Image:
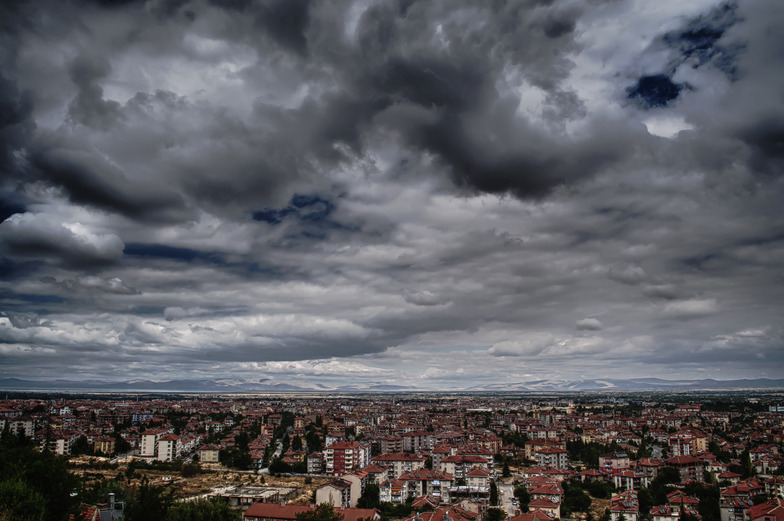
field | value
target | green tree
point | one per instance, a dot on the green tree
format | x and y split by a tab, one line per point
278	466
36	473
322	512
370	497
81	446
599	489
149	502
202	510
523	497
188	470
494	514
20	502
660	486
575	500
493	493
121	445
646	501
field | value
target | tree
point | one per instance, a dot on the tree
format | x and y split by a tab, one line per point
599	489
370	497
523	497
38	475
660	485
148	503
322	512
494	514
188	470
506	472
493	493
121	445
80	446
278	466
18	501
575	500
646	501
202	510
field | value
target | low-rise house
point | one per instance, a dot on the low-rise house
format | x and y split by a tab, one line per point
105	444
478	480
615	462
286	512
442	514
631	480
552	457
459	464
393	491
315	463
209	453
546	505
338	493
399	463
772	510
376	473
535	515
670	513
625	506
735	500
424	482
690	468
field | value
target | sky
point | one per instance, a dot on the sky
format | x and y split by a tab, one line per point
438	194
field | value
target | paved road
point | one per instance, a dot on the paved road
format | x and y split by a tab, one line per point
505	497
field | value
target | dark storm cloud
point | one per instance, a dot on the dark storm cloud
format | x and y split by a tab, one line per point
223	186
89	108
765	139
89	179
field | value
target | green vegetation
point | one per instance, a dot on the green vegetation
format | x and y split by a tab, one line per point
523	497
370	497
202	510
575	499
34	485
495	514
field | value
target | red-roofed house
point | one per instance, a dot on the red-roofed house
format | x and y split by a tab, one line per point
625	505
769	511
285	512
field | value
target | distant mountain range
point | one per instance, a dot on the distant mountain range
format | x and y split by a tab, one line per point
246	386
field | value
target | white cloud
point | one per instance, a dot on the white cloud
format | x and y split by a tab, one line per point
589	324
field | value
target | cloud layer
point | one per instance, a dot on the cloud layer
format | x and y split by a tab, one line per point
437	194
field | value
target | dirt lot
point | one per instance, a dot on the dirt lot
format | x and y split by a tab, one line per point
598	506
89	469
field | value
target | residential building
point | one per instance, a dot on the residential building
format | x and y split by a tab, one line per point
209	454
625	506
345	456
169	448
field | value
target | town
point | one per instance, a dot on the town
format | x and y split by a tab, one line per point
414	457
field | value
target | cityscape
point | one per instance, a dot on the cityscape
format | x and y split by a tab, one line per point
696	456
391	260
